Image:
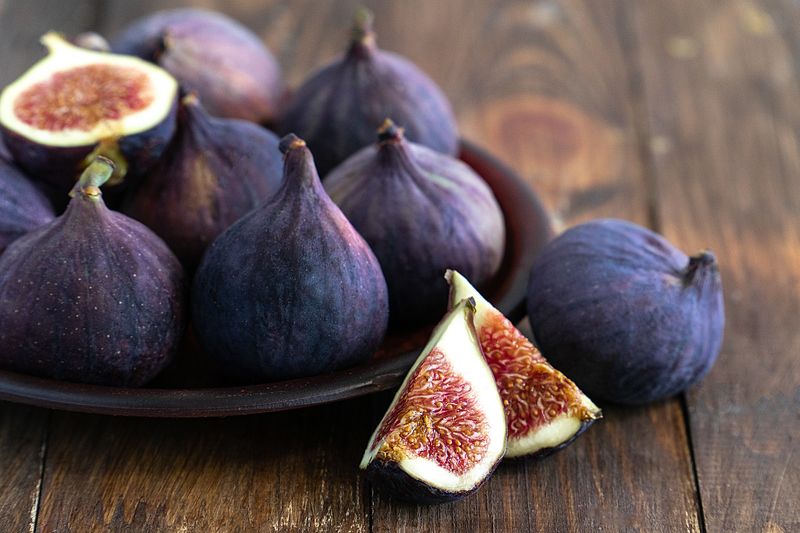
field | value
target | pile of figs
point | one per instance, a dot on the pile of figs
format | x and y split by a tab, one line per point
144	202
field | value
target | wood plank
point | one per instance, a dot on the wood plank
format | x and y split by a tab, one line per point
280	472
546	87
23	429
722	84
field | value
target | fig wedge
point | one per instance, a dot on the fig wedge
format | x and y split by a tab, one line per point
445	430
544	410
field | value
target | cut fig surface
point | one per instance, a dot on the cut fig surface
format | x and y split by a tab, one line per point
76	96
544	410
445	430
76	104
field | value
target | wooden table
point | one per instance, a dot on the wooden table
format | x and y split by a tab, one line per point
680	115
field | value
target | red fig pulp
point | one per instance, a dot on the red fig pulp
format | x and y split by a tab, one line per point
92	296
214	172
421	212
338	108
75	104
210	54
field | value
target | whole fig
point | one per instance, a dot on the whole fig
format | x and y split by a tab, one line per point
291	289
338	108
215	171
23	207
625	314
421	212
226	64
92	296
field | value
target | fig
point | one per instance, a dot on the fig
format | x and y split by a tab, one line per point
75	104
338	108
444	433
624	313
421	212
544	410
92	296
226	64
23	207
215	171
291	289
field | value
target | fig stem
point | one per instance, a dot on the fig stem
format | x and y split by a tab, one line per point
95	175
389	131
361	36
699	263
290	142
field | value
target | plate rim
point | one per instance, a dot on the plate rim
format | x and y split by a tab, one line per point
374	376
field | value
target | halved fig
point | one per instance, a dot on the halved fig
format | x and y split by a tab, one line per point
445	430
76	104
544	410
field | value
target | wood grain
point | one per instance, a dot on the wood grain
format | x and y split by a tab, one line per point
280	472
720	81
23	429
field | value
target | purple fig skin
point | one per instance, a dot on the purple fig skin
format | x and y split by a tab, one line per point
60	166
339	107
291	289
23	207
226	64
5	155
421	212
626	315
92	297
393	480
215	171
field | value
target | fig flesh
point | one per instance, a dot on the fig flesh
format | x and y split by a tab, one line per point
92	296
421	212
545	411
76	104
23	207
226	64
445	430
624	313
338	108
291	289
214	172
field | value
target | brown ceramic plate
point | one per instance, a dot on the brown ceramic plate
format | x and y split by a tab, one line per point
528	229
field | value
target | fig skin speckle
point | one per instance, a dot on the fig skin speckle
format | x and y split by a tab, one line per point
92	297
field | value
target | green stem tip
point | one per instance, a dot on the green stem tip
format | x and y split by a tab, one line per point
96	174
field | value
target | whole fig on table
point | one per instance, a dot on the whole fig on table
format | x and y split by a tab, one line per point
23	207
624	313
226	64
338	108
92	296
291	289
421	212
76	103
214	172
